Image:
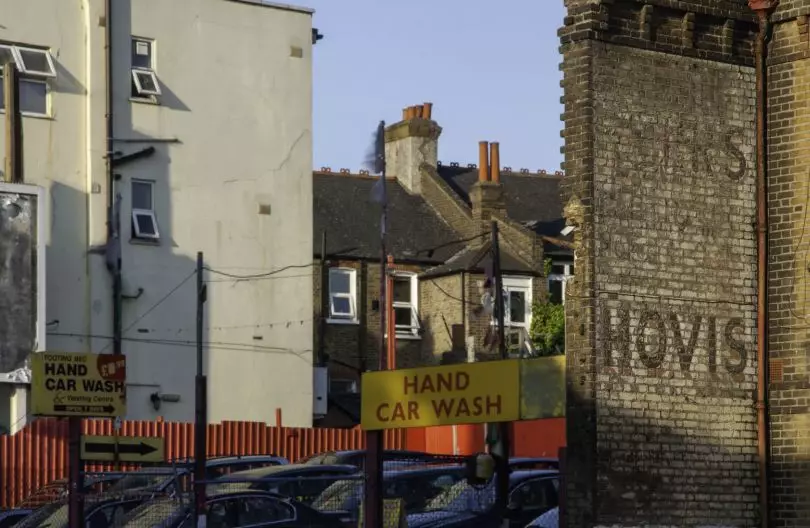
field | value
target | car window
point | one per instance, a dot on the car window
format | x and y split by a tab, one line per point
11	520
110	515
535	495
254	511
222	514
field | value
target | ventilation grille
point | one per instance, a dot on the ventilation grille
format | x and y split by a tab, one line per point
776	370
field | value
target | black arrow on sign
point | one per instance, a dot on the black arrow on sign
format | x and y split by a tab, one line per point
140	448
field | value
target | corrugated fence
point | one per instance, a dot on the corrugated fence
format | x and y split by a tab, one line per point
37	455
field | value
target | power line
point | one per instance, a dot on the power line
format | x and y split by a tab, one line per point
260	275
153	307
286	322
223	345
210	281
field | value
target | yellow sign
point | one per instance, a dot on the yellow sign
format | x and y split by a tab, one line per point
451	394
542	388
122	448
92	385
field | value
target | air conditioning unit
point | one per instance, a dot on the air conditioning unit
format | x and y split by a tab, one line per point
320	391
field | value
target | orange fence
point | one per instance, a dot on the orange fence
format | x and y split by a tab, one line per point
37	455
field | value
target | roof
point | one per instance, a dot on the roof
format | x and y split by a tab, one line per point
478	260
343	207
278	5
532	199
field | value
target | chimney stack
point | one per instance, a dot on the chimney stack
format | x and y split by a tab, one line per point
487	194
495	162
412	142
483	161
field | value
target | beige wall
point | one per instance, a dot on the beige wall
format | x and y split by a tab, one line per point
236	80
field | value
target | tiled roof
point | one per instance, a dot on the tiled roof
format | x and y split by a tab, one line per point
343	206
477	260
532	199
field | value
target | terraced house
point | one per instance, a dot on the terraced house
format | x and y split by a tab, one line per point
439	223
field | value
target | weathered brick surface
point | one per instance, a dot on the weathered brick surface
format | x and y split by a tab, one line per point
661	322
788	281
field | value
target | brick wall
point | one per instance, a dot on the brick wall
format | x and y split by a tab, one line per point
789	248
355	347
661	318
442	307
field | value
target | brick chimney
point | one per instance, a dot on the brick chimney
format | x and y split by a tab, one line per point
410	143
486	194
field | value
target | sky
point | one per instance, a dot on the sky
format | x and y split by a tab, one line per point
491	74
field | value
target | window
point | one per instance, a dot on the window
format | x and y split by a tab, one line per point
406	294
342	295
35	66
145	83
144	222
517	298
560	274
534	497
254	511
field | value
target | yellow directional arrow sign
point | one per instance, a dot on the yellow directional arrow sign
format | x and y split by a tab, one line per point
129	449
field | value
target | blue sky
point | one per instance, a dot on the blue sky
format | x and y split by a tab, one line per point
491	74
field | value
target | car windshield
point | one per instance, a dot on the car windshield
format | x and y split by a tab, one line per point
337	495
140	481
50	516
463	497
161	512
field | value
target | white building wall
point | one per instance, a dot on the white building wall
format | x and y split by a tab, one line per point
232	178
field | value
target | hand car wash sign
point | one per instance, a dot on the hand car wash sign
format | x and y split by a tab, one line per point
453	394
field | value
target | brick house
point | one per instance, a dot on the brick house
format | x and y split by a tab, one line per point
439	237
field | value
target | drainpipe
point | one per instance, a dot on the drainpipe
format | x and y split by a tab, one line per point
763	9
113	217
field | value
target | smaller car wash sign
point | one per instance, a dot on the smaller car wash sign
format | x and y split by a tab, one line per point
90	385
466	393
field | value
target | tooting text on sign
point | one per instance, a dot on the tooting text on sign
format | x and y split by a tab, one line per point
447	395
92	385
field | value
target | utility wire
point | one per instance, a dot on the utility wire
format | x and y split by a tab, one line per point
259	275
153	307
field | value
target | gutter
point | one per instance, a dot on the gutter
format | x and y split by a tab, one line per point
764	9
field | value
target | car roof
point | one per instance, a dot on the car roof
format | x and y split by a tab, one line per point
244	458
423	470
525	474
288	468
248	492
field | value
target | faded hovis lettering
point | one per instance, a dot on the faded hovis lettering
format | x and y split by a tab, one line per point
467	393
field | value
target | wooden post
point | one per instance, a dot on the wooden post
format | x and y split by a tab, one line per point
14	154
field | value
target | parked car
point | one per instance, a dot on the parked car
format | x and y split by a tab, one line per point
299	481
57	490
9	518
177	478
231	510
356	457
416	486
550	519
516	463
532	493
98	513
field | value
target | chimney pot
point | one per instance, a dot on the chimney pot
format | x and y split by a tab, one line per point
405	113
420	111
411	112
495	161
483	161
427	110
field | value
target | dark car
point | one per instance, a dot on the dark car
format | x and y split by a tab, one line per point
58	489
415	486
230	510
357	457
177	478
516	463
98	513
9	518
302	482
532	493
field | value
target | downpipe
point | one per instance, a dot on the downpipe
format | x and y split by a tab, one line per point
764	9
